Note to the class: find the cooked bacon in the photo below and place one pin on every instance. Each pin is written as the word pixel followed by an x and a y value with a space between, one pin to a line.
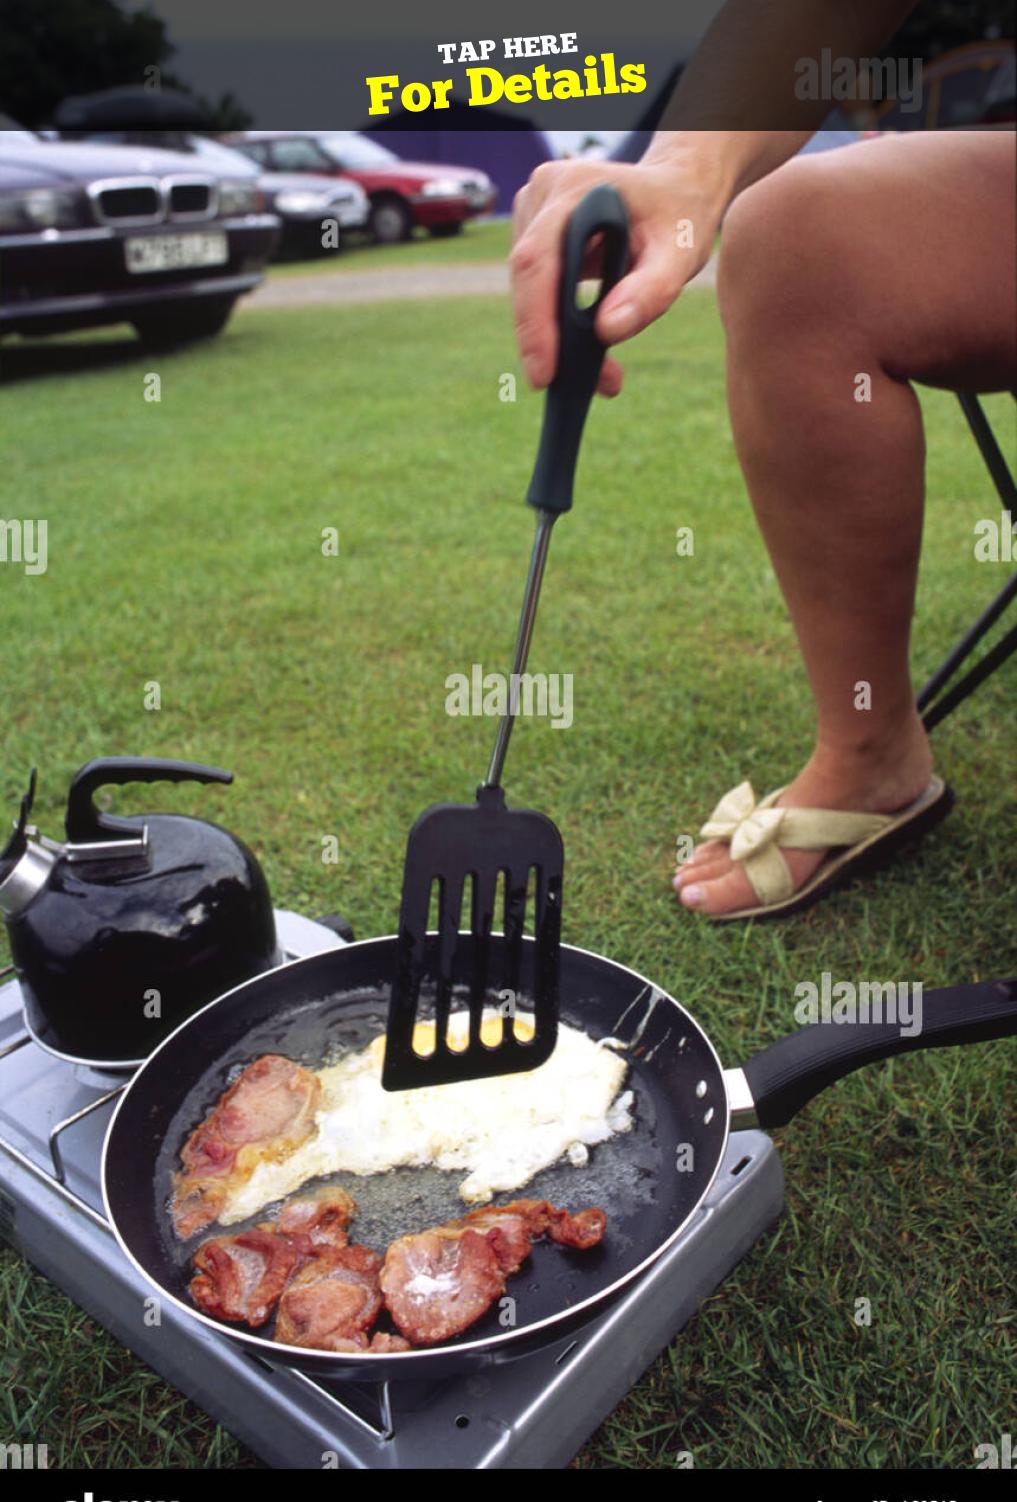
pixel 317 1219
pixel 512 1228
pixel 509 1229
pixel 580 1231
pixel 328 1292
pixel 542 1219
pixel 381 1340
pixel 439 1282
pixel 332 1301
pixel 266 1113
pixel 241 1277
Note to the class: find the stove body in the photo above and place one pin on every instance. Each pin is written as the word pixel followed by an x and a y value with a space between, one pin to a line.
pixel 533 1412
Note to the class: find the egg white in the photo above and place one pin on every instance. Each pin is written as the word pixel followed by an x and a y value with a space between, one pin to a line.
pixel 501 1132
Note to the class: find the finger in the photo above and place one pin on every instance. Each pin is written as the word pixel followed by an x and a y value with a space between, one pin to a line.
pixel 534 267
pixel 641 296
pixel 610 382
pixel 593 259
pixel 531 197
pixel 524 207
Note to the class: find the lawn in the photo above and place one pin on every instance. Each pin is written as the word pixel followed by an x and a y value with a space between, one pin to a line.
pixel 185 547
pixel 479 240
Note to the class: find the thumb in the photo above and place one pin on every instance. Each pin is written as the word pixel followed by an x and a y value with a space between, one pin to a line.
pixel 642 296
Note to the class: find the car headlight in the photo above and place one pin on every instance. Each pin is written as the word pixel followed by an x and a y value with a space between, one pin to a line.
pixel 39 208
pixel 297 202
pixel 238 197
pixel 442 187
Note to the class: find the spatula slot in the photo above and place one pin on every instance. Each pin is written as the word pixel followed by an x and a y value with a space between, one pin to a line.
pixel 434 906
pixel 479 880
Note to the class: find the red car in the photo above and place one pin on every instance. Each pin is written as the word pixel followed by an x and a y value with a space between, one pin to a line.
pixel 403 195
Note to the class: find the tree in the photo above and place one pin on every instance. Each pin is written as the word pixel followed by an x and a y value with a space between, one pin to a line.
pixel 72 47
pixel 63 47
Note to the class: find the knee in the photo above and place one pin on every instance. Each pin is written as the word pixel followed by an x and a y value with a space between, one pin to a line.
pixel 783 254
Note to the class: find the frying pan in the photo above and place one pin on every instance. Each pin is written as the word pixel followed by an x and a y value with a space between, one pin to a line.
pixel 649 1181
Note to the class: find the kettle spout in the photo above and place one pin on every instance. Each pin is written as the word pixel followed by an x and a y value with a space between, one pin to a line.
pixel 25 867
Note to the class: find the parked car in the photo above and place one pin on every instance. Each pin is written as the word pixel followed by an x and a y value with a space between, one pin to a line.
pixel 11 133
pixel 95 235
pixel 305 203
pixel 403 195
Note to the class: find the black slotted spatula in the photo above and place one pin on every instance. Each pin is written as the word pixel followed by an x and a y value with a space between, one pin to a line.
pixel 453 844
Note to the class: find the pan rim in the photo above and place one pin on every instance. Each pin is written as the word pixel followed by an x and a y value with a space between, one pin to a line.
pixel 293 1355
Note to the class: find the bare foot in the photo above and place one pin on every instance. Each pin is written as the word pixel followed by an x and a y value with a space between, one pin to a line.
pixel 880 780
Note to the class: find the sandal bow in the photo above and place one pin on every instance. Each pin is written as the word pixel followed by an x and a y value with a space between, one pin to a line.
pixel 752 829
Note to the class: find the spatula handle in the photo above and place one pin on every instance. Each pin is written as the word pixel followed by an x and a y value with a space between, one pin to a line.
pixel 581 353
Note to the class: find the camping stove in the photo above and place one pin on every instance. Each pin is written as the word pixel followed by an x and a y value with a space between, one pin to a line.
pixel 534 1412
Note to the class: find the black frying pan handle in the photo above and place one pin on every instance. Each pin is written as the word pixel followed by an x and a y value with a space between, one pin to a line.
pixel 784 1077
pixel 581 353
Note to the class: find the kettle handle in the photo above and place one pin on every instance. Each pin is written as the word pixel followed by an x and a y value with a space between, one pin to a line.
pixel 84 823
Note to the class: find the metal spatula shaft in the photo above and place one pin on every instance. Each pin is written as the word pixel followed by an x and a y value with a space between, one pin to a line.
pixel 527 620
pixel 445 970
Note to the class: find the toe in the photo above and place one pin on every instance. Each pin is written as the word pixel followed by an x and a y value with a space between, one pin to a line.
pixel 707 849
pixel 724 894
pixel 708 852
pixel 704 870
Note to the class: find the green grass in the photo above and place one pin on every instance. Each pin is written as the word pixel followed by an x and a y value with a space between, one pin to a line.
pixel 185 547
pixel 479 240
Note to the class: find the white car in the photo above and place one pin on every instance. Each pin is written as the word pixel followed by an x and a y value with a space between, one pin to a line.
pixel 308 206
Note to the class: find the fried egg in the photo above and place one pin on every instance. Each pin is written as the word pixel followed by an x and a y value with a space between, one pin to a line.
pixel 499 1132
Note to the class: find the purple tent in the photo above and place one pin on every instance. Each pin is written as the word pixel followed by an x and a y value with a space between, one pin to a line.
pixel 508 156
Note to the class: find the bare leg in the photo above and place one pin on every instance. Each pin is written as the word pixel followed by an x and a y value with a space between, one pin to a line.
pixel 891 260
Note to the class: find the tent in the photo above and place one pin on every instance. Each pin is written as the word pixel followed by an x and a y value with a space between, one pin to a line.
pixel 507 151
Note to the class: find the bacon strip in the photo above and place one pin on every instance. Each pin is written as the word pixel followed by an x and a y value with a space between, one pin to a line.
pixel 439 1282
pixel 332 1301
pixel 267 1112
pixel 240 1278
pixel 316 1220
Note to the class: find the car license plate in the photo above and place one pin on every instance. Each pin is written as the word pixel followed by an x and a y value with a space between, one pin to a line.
pixel 175 252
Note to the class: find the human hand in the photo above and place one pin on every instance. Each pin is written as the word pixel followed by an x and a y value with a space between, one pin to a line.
pixel 674 206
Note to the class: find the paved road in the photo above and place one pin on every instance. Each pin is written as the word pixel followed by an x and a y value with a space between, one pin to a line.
pixel 467 278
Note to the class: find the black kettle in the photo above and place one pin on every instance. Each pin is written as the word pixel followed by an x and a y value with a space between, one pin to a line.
pixel 132 924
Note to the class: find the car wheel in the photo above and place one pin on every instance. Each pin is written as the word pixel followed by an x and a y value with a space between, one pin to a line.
pixel 182 323
pixel 446 231
pixel 390 221
pixel 303 242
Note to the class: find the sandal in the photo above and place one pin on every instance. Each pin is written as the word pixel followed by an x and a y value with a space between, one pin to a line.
pixel 757 832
